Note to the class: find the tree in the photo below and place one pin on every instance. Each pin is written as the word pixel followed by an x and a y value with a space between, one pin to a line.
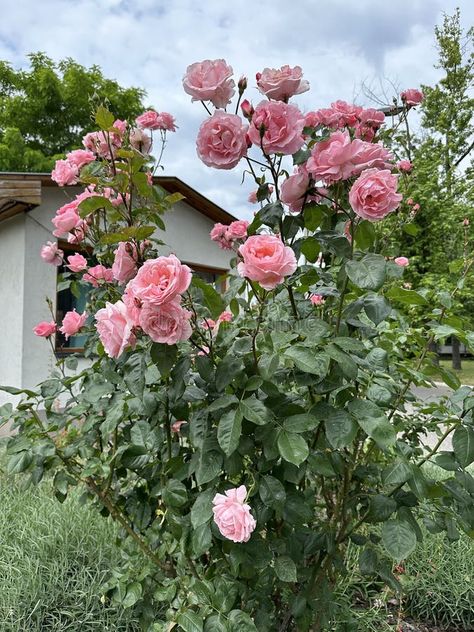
pixel 46 110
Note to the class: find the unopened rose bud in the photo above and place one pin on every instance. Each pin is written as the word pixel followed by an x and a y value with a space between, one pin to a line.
pixel 247 109
pixel 258 75
pixel 242 84
pixel 249 142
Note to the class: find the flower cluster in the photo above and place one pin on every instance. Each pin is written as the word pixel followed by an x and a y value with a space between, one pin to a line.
pixel 227 236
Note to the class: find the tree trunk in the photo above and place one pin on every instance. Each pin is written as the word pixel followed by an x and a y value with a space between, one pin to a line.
pixel 434 350
pixel 456 353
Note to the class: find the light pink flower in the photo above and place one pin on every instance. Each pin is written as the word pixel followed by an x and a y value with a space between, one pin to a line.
pixel 208 323
pixel 78 233
pixel 45 329
pixel 281 126
pixel 65 173
pixel 98 273
pixel 66 218
pixel 402 262
pixel 50 253
pixel 266 260
pixel 232 515
pixel 96 142
pixel 412 96
pixel 365 132
pixel 325 116
pixel 148 120
pixel 221 140
pixel 167 122
pixel 317 299
pixel 124 267
pixel 374 194
pixel 176 426
pixel 115 328
pixel 210 80
pixel 372 117
pixel 410 202
pixel 416 207
pixel 167 323
pixel 160 280
pixel 404 165
pixel 80 157
pixel 283 83
pixel 76 262
pixel 225 317
pixel 219 235
pixel 140 140
pixel 348 112
pixel 237 230
pixel 247 109
pixel 72 323
pixel 293 190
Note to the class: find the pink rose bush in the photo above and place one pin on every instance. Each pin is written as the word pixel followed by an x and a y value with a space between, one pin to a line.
pixel 115 328
pixel 267 260
pixel 374 194
pixel 277 127
pixel 281 84
pixel 167 322
pixel 221 141
pixel 232 515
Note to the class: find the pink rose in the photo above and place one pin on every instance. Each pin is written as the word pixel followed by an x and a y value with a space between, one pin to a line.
pixel 167 323
pixel 148 120
pixel 65 173
pixel 416 207
pixel 221 140
pixel 98 273
pixel 412 96
pixel 76 262
pixel 293 190
pixel 348 112
pixel 247 109
pixel 465 222
pixel 225 317
pixel 50 253
pixel 281 84
pixel 266 260
pixel 167 122
pixel 237 230
pixel 410 202
pixel 78 233
pixel 72 323
pixel 67 218
pixel 140 140
pixel 317 299
pixel 80 157
pixel 219 235
pixel 403 262
pixel 176 426
pixel 124 267
pixel 404 165
pixel 120 128
pixel 115 328
pixel 208 323
pixel 365 132
pixel 326 116
pixel 374 194
pixel 372 118
pixel 232 515
pixel 160 280
pixel 45 329
pixel 210 80
pixel 281 125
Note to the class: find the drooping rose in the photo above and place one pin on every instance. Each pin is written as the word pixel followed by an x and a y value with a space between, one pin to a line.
pixel 167 323
pixel 140 140
pixel 65 173
pixel 293 190
pixel 412 96
pixel 72 323
pixel 266 260
pixel 76 262
pixel 403 262
pixel 404 165
pixel 237 229
pixel 277 127
pixel 124 267
pixel 374 194
pixel 98 273
pixel 160 280
pixel 115 328
pixel 80 157
pixel 221 141
pixel 283 83
pixel 232 515
pixel 210 80
pixel 50 253
pixel 78 233
pixel 45 329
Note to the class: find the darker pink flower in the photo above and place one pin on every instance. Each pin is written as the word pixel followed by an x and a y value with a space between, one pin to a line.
pixel 412 96
pixel 50 253
pixel 124 267
pixel 210 80
pixel 266 260
pixel 167 122
pixel 221 140
pixel 293 191
pixel 76 262
pixel 160 280
pixel 148 120
pixel 283 83
pixel 317 299
pixel 374 194
pixel 167 323
pixel 66 218
pixel 65 173
pixel 72 323
pixel 277 127
pixel 219 235
pixel 404 165
pixel 403 262
pixel 372 118
pixel 176 426
pixel 237 230
pixel 348 112
pixel 232 515
pixel 45 329
pixel 98 273
pixel 80 157
pixel 115 328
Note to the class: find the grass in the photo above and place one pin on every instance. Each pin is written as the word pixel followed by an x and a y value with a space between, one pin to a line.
pixel 466 374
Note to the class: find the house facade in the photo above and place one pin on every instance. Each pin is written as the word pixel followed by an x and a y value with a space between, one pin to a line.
pixel 28 202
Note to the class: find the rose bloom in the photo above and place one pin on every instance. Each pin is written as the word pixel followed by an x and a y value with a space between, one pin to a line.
pixel 50 253
pixel 232 515
pixel 160 280
pixel 64 173
pixel 293 190
pixel 45 329
pixel 317 299
pixel 176 426
pixel 219 235
pixel 78 233
pixel 115 328
pixel 225 317
pixel 404 165
pixel 282 127
pixel 208 323
pixel 148 120
pixel 167 323
pixel 124 267
pixel 325 116
pixel 98 273
pixel 221 141
pixel 76 262
pixel 72 323
pixel 140 140
pixel 412 96
pixel 247 109
pixel 210 80
pixel 266 260
pixel 374 194
pixel 66 218
pixel 372 117
pixel 167 122
pixel 410 202
pixel 403 262
pixel 80 157
pixel 416 207
pixel 283 83
pixel 237 229
pixel 348 112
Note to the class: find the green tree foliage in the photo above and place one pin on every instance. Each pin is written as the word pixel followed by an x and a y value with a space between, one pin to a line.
pixel 45 110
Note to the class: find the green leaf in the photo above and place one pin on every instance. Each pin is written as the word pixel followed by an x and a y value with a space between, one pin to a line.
pixel 407 297
pixel 380 508
pixel 310 248
pixel 255 411
pixel 272 492
pixel 216 623
pixel 93 203
pixel 222 402
pixel 365 235
pixel 270 213
pixel 285 569
pixel 292 447
pixel 201 511
pixel 397 473
pixel 340 428
pixel 376 307
pixel 104 118
pixel 399 539
pixel 190 621
pixel 211 297
pixel 175 494
pixel 463 445
pixel 229 431
pixel 241 621
pixel 201 539
pixel 368 273
pixel 314 215
pixel 368 561
pixel 228 368
pixel 308 361
pixel 19 462
pixel 133 594
pixel 164 356
pixel 373 422
pixel 301 423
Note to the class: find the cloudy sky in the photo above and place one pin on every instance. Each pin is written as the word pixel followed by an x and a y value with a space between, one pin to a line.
pixel 340 44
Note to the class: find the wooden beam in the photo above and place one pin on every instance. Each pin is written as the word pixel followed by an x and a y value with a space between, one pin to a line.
pixel 22 191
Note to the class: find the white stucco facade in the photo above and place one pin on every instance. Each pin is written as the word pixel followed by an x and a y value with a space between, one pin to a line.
pixel 26 281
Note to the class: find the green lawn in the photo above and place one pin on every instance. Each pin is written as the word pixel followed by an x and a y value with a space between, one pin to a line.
pixel 466 375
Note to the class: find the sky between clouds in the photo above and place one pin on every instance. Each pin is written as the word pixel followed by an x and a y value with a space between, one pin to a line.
pixel 340 44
